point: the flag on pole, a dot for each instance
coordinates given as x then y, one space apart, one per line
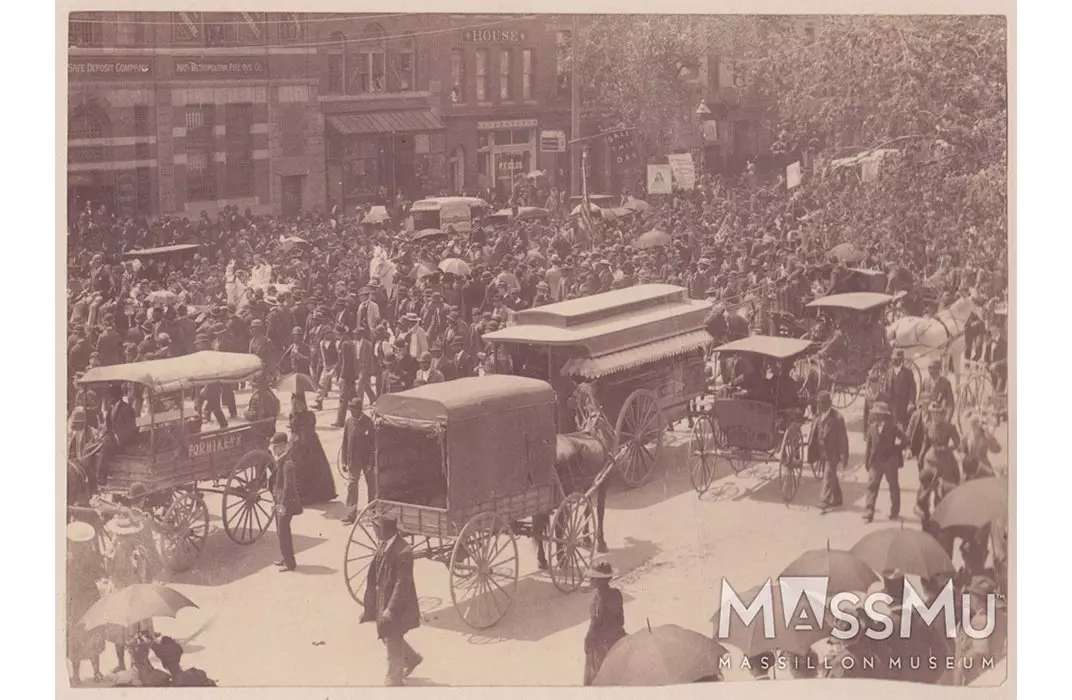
586 213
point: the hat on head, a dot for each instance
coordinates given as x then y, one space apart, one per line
935 364
78 531
898 354
602 570
279 438
455 342
256 323
297 331
411 317
880 409
823 397
425 357
123 525
356 402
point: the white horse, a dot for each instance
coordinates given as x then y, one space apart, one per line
923 338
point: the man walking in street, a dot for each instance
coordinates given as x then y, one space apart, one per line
357 457
345 373
391 601
883 460
287 499
900 389
829 443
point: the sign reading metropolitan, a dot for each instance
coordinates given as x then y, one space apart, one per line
110 68
221 68
494 36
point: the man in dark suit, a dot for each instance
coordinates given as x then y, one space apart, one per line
345 372
900 389
357 456
882 459
287 499
391 600
829 443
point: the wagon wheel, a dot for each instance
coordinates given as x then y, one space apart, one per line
791 462
343 470
248 503
186 529
738 457
703 448
842 395
360 548
970 397
483 570
639 432
573 534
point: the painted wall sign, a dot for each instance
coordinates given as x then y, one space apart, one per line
215 444
101 68
224 67
494 36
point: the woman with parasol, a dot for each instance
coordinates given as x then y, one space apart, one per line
606 620
315 480
84 568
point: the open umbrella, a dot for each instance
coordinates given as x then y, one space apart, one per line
847 252
652 239
592 208
754 637
842 571
664 655
636 205
974 503
911 551
296 383
455 266
291 242
376 215
427 234
422 270
163 297
130 605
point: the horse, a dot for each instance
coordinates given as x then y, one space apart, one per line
942 333
580 458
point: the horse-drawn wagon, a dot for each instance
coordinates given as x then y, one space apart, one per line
769 382
641 349
175 461
463 468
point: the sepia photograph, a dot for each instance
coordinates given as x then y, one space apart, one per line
546 349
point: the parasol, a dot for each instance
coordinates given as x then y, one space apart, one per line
455 266
591 208
847 252
911 551
974 503
296 383
652 239
636 205
376 215
291 242
843 571
664 655
421 271
132 604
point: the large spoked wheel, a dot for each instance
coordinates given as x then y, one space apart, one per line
639 432
248 504
185 531
344 471
842 395
572 538
360 547
791 462
703 449
483 571
970 397
738 457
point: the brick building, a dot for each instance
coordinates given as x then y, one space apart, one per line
183 112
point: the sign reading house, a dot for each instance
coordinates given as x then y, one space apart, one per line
223 67
494 36
110 68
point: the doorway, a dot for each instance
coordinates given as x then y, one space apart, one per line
291 194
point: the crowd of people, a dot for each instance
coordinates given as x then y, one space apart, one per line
367 309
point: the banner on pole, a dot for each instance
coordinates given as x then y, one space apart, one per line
684 170
660 179
792 175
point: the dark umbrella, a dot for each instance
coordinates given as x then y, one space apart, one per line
755 638
296 383
664 655
911 551
974 503
652 239
843 571
130 605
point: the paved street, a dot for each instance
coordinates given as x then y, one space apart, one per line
669 547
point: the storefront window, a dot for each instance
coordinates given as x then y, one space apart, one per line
482 75
506 64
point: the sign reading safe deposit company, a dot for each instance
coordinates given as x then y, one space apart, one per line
110 68
223 67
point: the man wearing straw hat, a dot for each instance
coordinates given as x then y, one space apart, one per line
882 459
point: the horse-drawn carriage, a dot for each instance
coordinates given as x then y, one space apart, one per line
860 318
643 351
769 382
464 467
175 461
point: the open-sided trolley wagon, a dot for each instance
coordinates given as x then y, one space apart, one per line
760 410
642 349
464 468
177 460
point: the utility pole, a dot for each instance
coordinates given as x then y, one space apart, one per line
575 113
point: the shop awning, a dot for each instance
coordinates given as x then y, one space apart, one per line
385 122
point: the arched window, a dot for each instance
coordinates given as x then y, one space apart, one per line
336 63
457 169
370 72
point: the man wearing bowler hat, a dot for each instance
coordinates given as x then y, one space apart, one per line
287 499
357 455
829 443
391 600
883 460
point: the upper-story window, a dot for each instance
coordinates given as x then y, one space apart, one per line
528 75
370 73
220 29
405 61
336 63
84 29
506 77
458 88
481 75
130 28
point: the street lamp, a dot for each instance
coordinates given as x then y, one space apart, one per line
702 111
